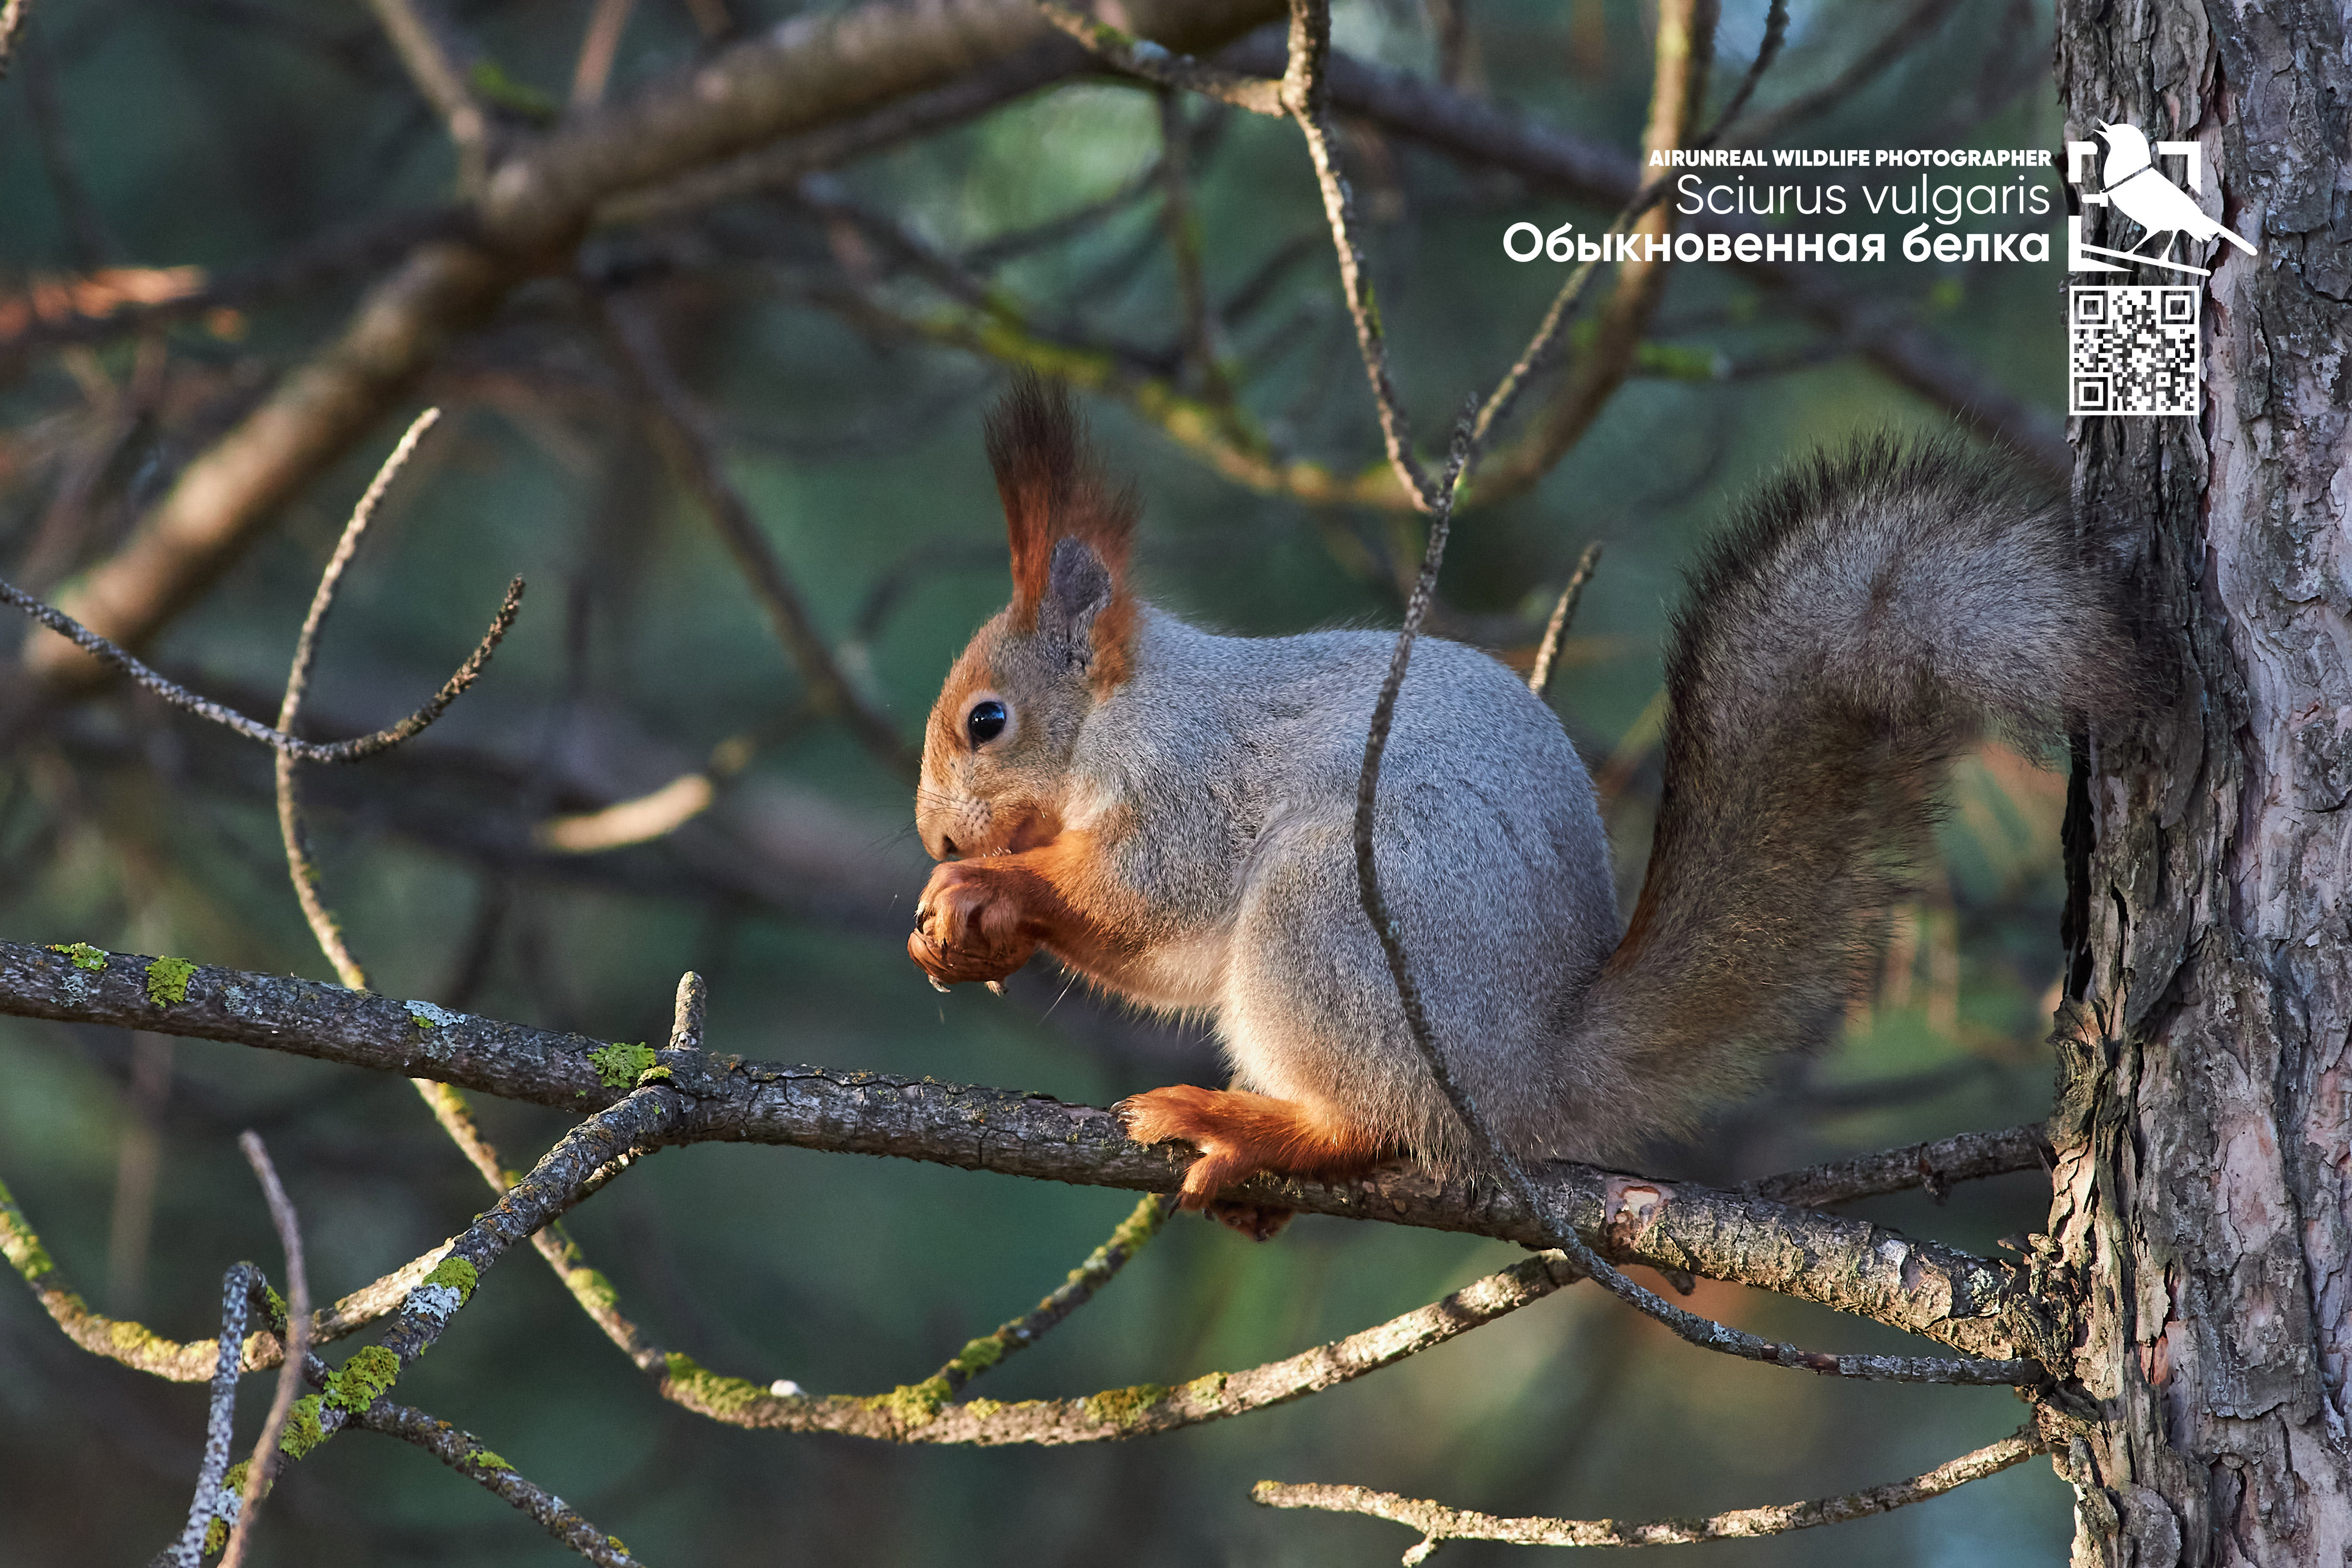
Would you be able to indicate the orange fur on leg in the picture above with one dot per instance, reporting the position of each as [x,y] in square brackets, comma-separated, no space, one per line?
[1240,1135]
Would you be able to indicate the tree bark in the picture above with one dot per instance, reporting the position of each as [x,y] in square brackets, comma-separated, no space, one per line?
[2199,1222]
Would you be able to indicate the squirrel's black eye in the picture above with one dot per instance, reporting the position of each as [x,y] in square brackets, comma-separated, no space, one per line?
[986,721]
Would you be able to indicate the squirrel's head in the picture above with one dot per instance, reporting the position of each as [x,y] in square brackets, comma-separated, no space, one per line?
[996,754]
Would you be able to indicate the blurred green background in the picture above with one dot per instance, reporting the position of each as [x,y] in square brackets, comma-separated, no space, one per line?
[218,133]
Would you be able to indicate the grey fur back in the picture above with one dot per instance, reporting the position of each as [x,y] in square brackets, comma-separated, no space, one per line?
[1242,754]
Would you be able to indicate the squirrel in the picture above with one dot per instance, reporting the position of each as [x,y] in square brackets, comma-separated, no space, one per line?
[1171,812]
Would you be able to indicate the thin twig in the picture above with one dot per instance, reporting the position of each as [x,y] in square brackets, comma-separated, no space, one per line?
[298,1345]
[1305,98]
[1141,56]
[599,46]
[1775,33]
[1914,28]
[694,454]
[471,1458]
[1485,1145]
[1966,1156]
[568,1172]
[1183,228]
[587,1286]
[1101,1267]
[298,864]
[134,1345]
[1684,44]
[1439,1523]
[440,64]
[448,1105]
[1556,629]
[351,751]
[920,1413]
[236,1293]
[1085,219]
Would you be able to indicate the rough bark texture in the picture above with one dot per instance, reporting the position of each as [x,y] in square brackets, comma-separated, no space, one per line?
[2201,1191]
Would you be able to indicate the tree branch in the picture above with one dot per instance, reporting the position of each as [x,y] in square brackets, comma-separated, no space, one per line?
[1562,612]
[296,1336]
[358,749]
[920,1414]
[472,1458]
[682,434]
[439,63]
[1439,1523]
[192,1361]
[299,865]
[812,71]
[1306,97]
[1100,1268]
[1919,1286]
[236,1293]
[1155,62]
[1488,136]
[1935,1166]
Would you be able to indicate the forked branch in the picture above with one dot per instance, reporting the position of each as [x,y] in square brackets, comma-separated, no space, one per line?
[355,750]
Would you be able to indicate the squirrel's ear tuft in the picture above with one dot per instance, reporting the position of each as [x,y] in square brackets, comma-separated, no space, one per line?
[1053,490]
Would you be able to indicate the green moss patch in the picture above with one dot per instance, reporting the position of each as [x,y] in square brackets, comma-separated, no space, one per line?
[457,1274]
[17,1242]
[361,1381]
[714,1393]
[167,981]
[911,1405]
[619,1064]
[84,956]
[979,1356]
[302,1432]
[1125,1406]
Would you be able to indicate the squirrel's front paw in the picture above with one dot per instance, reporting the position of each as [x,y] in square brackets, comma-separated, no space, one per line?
[969,926]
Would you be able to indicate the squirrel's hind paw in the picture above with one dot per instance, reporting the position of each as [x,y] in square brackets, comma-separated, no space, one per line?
[1240,1135]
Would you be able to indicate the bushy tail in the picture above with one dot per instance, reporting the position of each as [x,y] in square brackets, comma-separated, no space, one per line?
[1866,617]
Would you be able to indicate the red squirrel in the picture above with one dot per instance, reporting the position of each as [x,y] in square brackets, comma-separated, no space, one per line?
[1170,812]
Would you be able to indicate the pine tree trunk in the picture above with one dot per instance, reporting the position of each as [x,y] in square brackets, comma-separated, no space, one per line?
[2203,1220]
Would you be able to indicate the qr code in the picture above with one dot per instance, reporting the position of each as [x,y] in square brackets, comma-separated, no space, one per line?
[2131,351]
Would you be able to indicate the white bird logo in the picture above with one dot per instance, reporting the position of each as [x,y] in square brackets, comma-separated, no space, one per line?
[2129,180]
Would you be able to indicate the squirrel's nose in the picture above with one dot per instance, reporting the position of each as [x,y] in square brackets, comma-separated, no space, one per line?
[947,847]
